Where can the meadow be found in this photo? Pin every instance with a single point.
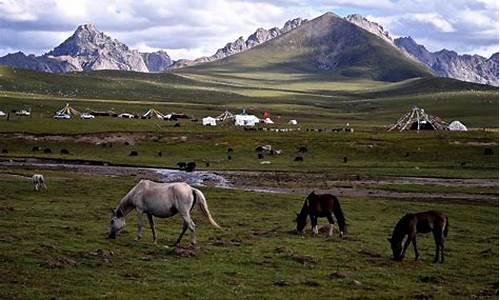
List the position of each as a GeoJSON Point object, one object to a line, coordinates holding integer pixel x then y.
{"type": "Point", "coordinates": [53, 246]}
{"type": "Point", "coordinates": [52, 243]}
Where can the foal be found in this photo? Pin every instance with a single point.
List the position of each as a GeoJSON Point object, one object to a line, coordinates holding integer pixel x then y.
{"type": "Point", "coordinates": [423, 222]}
{"type": "Point", "coordinates": [322, 205]}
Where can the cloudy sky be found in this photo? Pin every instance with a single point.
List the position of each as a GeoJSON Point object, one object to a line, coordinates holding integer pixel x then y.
{"type": "Point", "coordinates": [194, 28]}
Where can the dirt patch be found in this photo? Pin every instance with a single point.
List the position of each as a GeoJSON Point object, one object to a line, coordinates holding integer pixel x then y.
{"type": "Point", "coordinates": [340, 275]}
{"type": "Point", "coordinates": [189, 251]}
{"type": "Point", "coordinates": [59, 262]}
{"type": "Point", "coordinates": [291, 254]}
{"type": "Point", "coordinates": [221, 242]}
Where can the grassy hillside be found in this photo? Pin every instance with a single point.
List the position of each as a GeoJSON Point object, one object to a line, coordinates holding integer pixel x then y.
{"type": "Point", "coordinates": [326, 47]}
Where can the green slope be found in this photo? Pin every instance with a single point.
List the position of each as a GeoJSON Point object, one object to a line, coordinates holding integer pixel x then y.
{"type": "Point", "coordinates": [327, 47]}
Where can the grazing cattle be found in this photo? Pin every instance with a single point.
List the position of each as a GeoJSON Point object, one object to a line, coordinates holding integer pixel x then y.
{"type": "Point", "coordinates": [161, 200]}
{"type": "Point", "coordinates": [229, 150]}
{"type": "Point", "coordinates": [64, 151]}
{"type": "Point", "coordinates": [207, 164]}
{"type": "Point", "coordinates": [411, 224]}
{"type": "Point", "coordinates": [181, 165]}
{"type": "Point", "coordinates": [177, 125]}
{"type": "Point", "coordinates": [5, 151]}
{"type": "Point", "coordinates": [229, 157]}
{"type": "Point", "coordinates": [345, 159]}
{"type": "Point", "coordinates": [488, 151]}
{"type": "Point", "coordinates": [321, 206]}
{"type": "Point", "coordinates": [38, 182]}
{"type": "Point", "coordinates": [47, 151]}
{"type": "Point", "coordinates": [133, 153]}
{"type": "Point", "coordinates": [303, 149]}
{"type": "Point", "coordinates": [190, 166]}
{"type": "Point", "coordinates": [36, 148]}
{"type": "Point", "coordinates": [260, 156]}
{"type": "Point", "coordinates": [298, 158]}
{"type": "Point", "coordinates": [160, 154]}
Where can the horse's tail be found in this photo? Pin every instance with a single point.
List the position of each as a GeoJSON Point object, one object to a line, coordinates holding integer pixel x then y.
{"type": "Point", "coordinates": [339, 215]}
{"type": "Point", "coordinates": [445, 231]}
{"type": "Point", "coordinates": [202, 204]}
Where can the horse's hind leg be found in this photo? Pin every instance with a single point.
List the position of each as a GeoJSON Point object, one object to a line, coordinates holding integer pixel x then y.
{"type": "Point", "coordinates": [153, 227]}
{"type": "Point", "coordinates": [314, 225]}
{"type": "Point", "coordinates": [183, 230]}
{"type": "Point", "coordinates": [437, 241]}
{"type": "Point", "coordinates": [192, 228]}
{"type": "Point", "coordinates": [332, 222]}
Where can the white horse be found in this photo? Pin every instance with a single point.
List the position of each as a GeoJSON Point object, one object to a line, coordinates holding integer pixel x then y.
{"type": "Point", "coordinates": [38, 182]}
{"type": "Point", "coordinates": [162, 200]}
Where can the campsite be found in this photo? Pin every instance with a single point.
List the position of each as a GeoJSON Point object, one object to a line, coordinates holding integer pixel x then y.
{"type": "Point", "coordinates": [115, 176]}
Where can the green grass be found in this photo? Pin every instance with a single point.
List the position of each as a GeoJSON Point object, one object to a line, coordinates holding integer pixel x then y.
{"type": "Point", "coordinates": [68, 222]}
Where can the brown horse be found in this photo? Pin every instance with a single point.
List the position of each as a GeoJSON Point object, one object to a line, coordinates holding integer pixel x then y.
{"type": "Point", "coordinates": [423, 222]}
{"type": "Point", "coordinates": [323, 205]}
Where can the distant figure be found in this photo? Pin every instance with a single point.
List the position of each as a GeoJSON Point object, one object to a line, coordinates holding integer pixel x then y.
{"type": "Point", "coordinates": [47, 151]}
{"type": "Point", "coordinates": [229, 150]}
{"type": "Point", "coordinates": [133, 153]}
{"type": "Point", "coordinates": [64, 151]}
{"type": "Point", "coordinates": [411, 224]}
{"type": "Point", "coordinates": [229, 157]}
{"type": "Point", "coordinates": [298, 158]}
{"type": "Point", "coordinates": [38, 182]}
{"type": "Point", "coordinates": [345, 159]}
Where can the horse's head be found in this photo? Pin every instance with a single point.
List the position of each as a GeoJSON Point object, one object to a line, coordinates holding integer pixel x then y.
{"type": "Point", "coordinates": [301, 223]}
{"type": "Point", "coordinates": [397, 249]}
{"type": "Point", "coordinates": [117, 224]}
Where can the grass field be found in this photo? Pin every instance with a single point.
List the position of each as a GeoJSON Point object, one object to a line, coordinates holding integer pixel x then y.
{"type": "Point", "coordinates": [53, 246]}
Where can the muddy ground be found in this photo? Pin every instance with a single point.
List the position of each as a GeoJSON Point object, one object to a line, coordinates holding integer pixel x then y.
{"type": "Point", "coordinates": [282, 182]}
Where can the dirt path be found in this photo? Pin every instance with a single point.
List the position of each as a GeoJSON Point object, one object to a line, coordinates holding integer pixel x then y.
{"type": "Point", "coordinates": [273, 182]}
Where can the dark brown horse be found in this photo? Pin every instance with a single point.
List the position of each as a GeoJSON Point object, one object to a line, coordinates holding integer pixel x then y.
{"type": "Point", "coordinates": [411, 224]}
{"type": "Point", "coordinates": [321, 206]}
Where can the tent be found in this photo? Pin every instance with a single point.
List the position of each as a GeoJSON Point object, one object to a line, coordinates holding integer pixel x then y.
{"type": "Point", "coordinates": [293, 122]}
{"type": "Point", "coordinates": [418, 119]}
{"type": "Point", "coordinates": [268, 121]}
{"type": "Point", "coordinates": [457, 126]}
{"type": "Point", "coordinates": [67, 110]}
{"type": "Point", "coordinates": [2, 114]}
{"type": "Point", "coordinates": [245, 120]}
{"type": "Point", "coordinates": [209, 121]}
{"type": "Point", "coordinates": [153, 113]}
{"type": "Point", "coordinates": [226, 115]}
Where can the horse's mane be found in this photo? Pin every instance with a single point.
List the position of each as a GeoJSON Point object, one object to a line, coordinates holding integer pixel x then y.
{"type": "Point", "coordinates": [400, 228]}
{"type": "Point", "coordinates": [123, 207]}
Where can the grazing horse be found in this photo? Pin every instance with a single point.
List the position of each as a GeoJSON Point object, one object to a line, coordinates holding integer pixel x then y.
{"type": "Point", "coordinates": [162, 200]}
{"type": "Point", "coordinates": [38, 182]}
{"type": "Point", "coordinates": [423, 222]}
{"type": "Point", "coordinates": [322, 205]}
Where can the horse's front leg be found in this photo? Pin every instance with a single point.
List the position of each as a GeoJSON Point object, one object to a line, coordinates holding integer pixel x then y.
{"type": "Point", "coordinates": [314, 225]}
{"type": "Point", "coordinates": [153, 227]}
{"type": "Point", "coordinates": [414, 241]}
{"type": "Point", "coordinates": [407, 243]}
{"type": "Point", "coordinates": [139, 224]}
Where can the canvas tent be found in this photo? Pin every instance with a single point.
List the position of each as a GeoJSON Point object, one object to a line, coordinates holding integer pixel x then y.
{"type": "Point", "coordinates": [2, 114]}
{"type": "Point", "coordinates": [418, 119]}
{"type": "Point", "coordinates": [293, 122]}
{"type": "Point", "coordinates": [268, 121]}
{"type": "Point", "coordinates": [457, 126]}
{"type": "Point", "coordinates": [209, 121]}
{"type": "Point", "coordinates": [67, 110]}
{"type": "Point", "coordinates": [245, 120]}
{"type": "Point", "coordinates": [153, 113]}
{"type": "Point", "coordinates": [226, 115]}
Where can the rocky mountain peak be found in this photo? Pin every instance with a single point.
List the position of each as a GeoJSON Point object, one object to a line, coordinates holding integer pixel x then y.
{"type": "Point", "coordinates": [370, 26]}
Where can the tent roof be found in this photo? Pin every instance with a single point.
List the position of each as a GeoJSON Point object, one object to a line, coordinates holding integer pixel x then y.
{"type": "Point", "coordinates": [68, 110]}
{"type": "Point", "coordinates": [418, 119]}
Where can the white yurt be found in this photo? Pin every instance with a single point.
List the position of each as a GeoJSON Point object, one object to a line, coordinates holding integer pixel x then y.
{"type": "Point", "coordinates": [2, 114]}
{"type": "Point", "coordinates": [293, 122]}
{"type": "Point", "coordinates": [246, 120]}
{"type": "Point", "coordinates": [209, 121]}
{"type": "Point", "coordinates": [457, 126]}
